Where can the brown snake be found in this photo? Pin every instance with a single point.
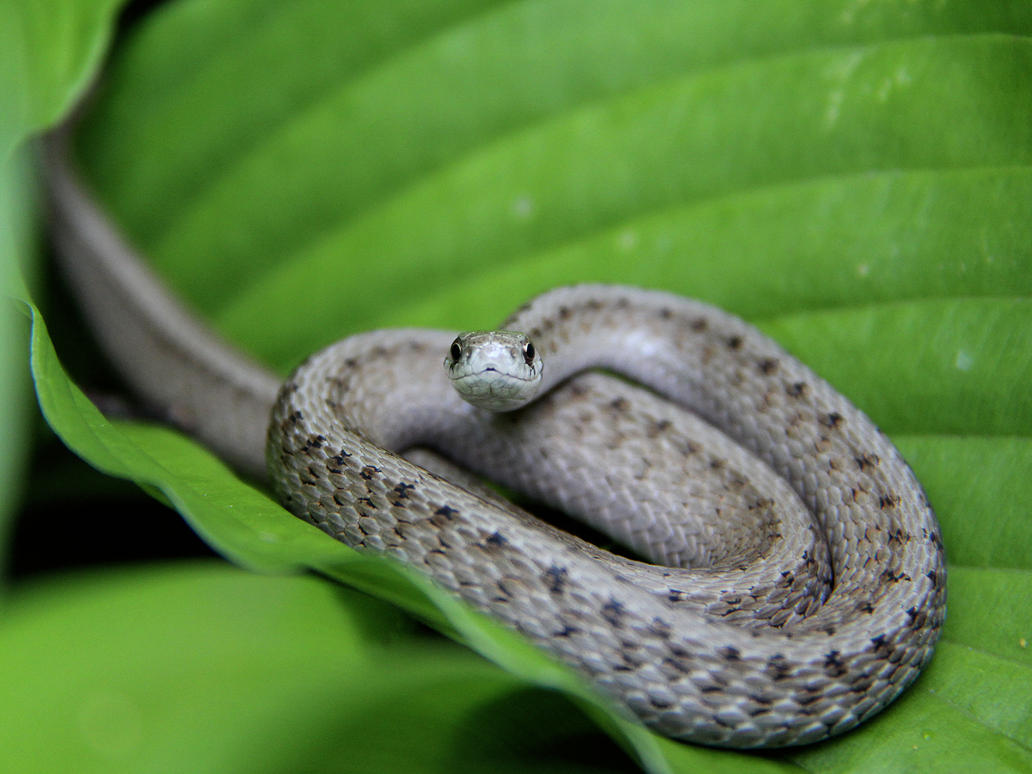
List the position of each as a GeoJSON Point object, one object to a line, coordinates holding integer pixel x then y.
{"type": "Point", "coordinates": [797, 582]}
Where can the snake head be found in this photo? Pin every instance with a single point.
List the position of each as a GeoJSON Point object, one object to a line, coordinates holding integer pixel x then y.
{"type": "Point", "coordinates": [494, 370]}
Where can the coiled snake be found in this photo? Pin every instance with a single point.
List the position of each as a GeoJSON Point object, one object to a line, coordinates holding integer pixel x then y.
{"type": "Point", "coordinates": [794, 581]}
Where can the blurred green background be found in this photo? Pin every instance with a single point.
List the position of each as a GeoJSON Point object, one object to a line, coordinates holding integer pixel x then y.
{"type": "Point", "coordinates": [853, 177]}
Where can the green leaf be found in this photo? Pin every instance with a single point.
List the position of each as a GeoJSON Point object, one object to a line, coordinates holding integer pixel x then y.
{"type": "Point", "coordinates": [853, 177]}
{"type": "Point", "coordinates": [201, 667]}
{"type": "Point", "coordinates": [49, 51]}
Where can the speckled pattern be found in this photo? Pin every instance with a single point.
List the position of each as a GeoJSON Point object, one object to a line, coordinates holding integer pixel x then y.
{"type": "Point", "coordinates": [799, 582]}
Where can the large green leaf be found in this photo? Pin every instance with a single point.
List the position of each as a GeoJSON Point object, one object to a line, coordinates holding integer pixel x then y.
{"type": "Point", "coordinates": [49, 50]}
{"type": "Point", "coordinates": [854, 177]}
{"type": "Point", "coordinates": [199, 668]}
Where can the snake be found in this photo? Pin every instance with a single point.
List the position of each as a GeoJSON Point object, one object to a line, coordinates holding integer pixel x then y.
{"type": "Point", "coordinates": [776, 572]}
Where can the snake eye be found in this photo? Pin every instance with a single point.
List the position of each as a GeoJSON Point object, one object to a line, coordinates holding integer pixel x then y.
{"type": "Point", "coordinates": [456, 351]}
{"type": "Point", "coordinates": [528, 353]}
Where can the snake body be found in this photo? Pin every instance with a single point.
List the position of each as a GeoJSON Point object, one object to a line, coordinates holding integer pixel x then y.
{"type": "Point", "coordinates": [794, 581]}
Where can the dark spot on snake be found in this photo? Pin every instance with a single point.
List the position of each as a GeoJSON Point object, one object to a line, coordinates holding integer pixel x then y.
{"type": "Point", "coordinates": [629, 658]}
{"type": "Point", "coordinates": [619, 404]}
{"type": "Point", "coordinates": [935, 538]}
{"type": "Point", "coordinates": [566, 631]}
{"type": "Point", "coordinates": [777, 667]}
{"type": "Point", "coordinates": [622, 303]}
{"type": "Point", "coordinates": [675, 665]}
{"type": "Point", "coordinates": [829, 630]}
{"type": "Point", "coordinates": [665, 313]}
{"type": "Point", "coordinates": [675, 595]}
{"type": "Point", "coordinates": [865, 461]}
{"type": "Point", "coordinates": [890, 577]}
{"type": "Point", "coordinates": [368, 472]}
{"type": "Point", "coordinates": [577, 389]}
{"type": "Point", "coordinates": [881, 645]}
{"type": "Point", "coordinates": [833, 665]}
{"type": "Point", "coordinates": [689, 448]}
{"type": "Point", "coordinates": [506, 594]}
{"type": "Point", "coordinates": [564, 312]}
{"type": "Point", "coordinates": [655, 428]}
{"type": "Point", "coordinates": [446, 511]}
{"type": "Point", "coordinates": [402, 489]}
{"type": "Point", "coordinates": [699, 324]}
{"type": "Point", "coordinates": [861, 684]}
{"type": "Point", "coordinates": [759, 504]}
{"type": "Point", "coordinates": [314, 442]}
{"type": "Point", "coordinates": [496, 539]}
{"type": "Point", "coordinates": [933, 576]}
{"type": "Point", "coordinates": [898, 536]}
{"type": "Point", "coordinates": [729, 653]}
{"type": "Point", "coordinates": [734, 342]}
{"type": "Point", "coordinates": [368, 502]}
{"type": "Point", "coordinates": [716, 463]}
{"type": "Point", "coordinates": [768, 365]}
{"type": "Point", "coordinates": [832, 420]}
{"type": "Point", "coordinates": [555, 578]}
{"type": "Point", "coordinates": [787, 579]}
{"type": "Point", "coordinates": [660, 628]}
{"type": "Point", "coordinates": [613, 611]}
{"type": "Point", "coordinates": [888, 501]}
{"type": "Point", "coordinates": [796, 390]}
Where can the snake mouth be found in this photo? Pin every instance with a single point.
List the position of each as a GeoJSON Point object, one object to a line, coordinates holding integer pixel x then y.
{"type": "Point", "coordinates": [493, 370]}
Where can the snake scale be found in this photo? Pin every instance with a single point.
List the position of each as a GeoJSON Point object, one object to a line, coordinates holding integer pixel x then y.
{"type": "Point", "coordinates": [792, 580]}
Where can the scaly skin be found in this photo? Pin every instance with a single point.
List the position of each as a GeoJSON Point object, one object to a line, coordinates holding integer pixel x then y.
{"type": "Point", "coordinates": [788, 670]}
